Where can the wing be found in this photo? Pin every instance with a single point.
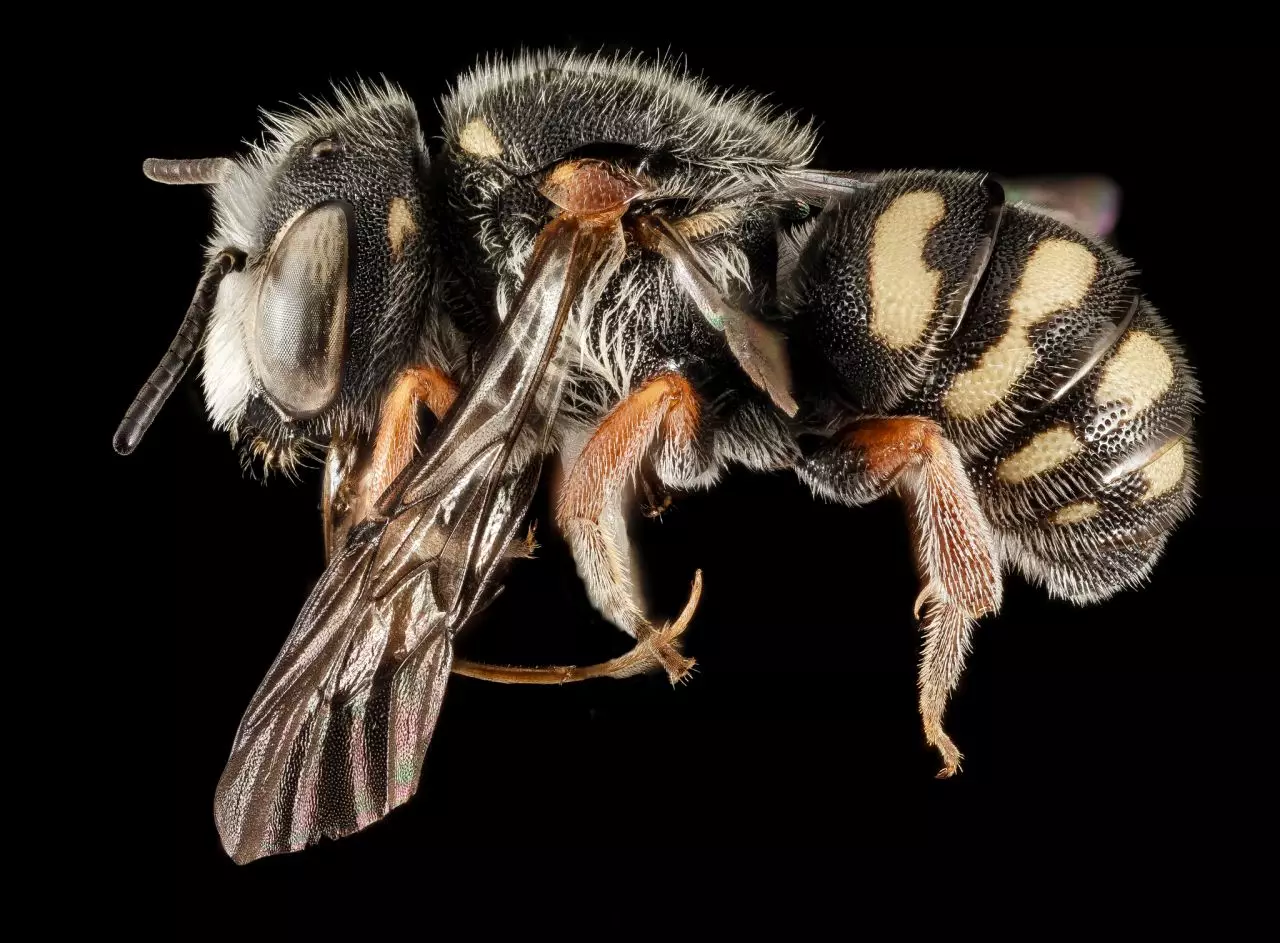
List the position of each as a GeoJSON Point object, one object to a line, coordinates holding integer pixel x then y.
{"type": "Point", "coordinates": [335, 736]}
{"type": "Point", "coordinates": [1089, 203]}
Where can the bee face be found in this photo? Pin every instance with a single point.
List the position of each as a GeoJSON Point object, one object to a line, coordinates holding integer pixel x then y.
{"type": "Point", "coordinates": [330, 217]}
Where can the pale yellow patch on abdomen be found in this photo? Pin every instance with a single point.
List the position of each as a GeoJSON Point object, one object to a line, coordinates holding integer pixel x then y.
{"type": "Point", "coordinates": [1138, 374]}
{"type": "Point", "coordinates": [1075, 513]}
{"type": "Point", "coordinates": [400, 225]}
{"type": "Point", "coordinates": [1045, 452]}
{"type": "Point", "coordinates": [904, 290]}
{"type": "Point", "coordinates": [1056, 277]}
{"type": "Point", "coordinates": [1164, 474]}
{"type": "Point", "coordinates": [478, 139]}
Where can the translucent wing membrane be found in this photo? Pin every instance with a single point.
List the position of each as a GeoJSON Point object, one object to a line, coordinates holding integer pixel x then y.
{"type": "Point", "coordinates": [819, 187]}
{"type": "Point", "coordinates": [758, 348]}
{"type": "Point", "coordinates": [1089, 204]}
{"type": "Point", "coordinates": [334, 738]}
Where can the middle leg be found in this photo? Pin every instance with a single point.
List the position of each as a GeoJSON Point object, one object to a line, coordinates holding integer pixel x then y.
{"type": "Point", "coordinates": [589, 507]}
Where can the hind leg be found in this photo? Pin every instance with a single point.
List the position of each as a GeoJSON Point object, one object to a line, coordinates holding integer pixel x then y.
{"type": "Point", "coordinates": [954, 545]}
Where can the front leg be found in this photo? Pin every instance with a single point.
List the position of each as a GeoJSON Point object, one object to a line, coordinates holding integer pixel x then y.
{"type": "Point", "coordinates": [589, 507]}
{"type": "Point", "coordinates": [397, 439]}
{"type": "Point", "coordinates": [356, 474]}
{"type": "Point", "coordinates": [954, 544]}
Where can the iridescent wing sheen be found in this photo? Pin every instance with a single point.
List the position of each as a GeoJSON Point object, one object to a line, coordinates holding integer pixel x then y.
{"type": "Point", "coordinates": [334, 738]}
{"type": "Point", "coordinates": [1089, 203]}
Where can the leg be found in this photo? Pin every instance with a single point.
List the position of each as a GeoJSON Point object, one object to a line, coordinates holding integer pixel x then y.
{"type": "Point", "coordinates": [589, 506]}
{"type": "Point", "coordinates": [954, 544]}
{"type": "Point", "coordinates": [397, 439]}
{"type": "Point", "coordinates": [356, 474]}
{"type": "Point", "coordinates": [648, 654]}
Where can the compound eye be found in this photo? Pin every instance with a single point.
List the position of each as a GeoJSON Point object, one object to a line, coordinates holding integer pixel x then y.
{"type": "Point", "coordinates": [299, 326]}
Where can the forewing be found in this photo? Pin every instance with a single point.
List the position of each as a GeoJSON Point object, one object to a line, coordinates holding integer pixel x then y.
{"type": "Point", "coordinates": [335, 736]}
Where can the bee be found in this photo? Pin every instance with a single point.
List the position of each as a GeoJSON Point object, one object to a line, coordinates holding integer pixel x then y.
{"type": "Point", "coordinates": [609, 261]}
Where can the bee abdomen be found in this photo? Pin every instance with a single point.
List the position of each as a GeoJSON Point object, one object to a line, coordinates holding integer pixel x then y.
{"type": "Point", "coordinates": [888, 278]}
{"type": "Point", "coordinates": [1085, 493]}
{"type": "Point", "coordinates": [1052, 305]}
{"type": "Point", "coordinates": [1070, 402]}
{"type": "Point", "coordinates": [1072, 406]}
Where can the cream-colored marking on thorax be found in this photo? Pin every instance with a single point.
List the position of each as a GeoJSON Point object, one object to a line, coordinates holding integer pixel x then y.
{"type": "Point", "coordinates": [1045, 452]}
{"type": "Point", "coordinates": [1138, 374]}
{"type": "Point", "coordinates": [1077, 512]}
{"type": "Point", "coordinates": [400, 225]}
{"type": "Point", "coordinates": [1056, 277]}
{"type": "Point", "coordinates": [1164, 474]}
{"type": "Point", "coordinates": [478, 139]}
{"type": "Point", "coordinates": [904, 290]}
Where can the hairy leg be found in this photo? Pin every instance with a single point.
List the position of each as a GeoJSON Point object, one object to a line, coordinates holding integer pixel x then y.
{"type": "Point", "coordinates": [954, 545]}
{"type": "Point", "coordinates": [589, 506]}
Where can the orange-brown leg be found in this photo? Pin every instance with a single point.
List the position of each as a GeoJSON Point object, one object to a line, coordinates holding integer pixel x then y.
{"type": "Point", "coordinates": [356, 474]}
{"type": "Point", "coordinates": [655, 651]}
{"type": "Point", "coordinates": [589, 506]}
{"type": "Point", "coordinates": [954, 544]}
{"type": "Point", "coordinates": [397, 439]}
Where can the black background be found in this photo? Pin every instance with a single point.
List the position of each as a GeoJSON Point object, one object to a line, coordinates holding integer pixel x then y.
{"type": "Point", "coordinates": [1131, 721]}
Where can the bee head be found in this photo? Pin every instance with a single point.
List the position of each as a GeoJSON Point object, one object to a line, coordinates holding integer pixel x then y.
{"type": "Point", "coordinates": [332, 273]}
